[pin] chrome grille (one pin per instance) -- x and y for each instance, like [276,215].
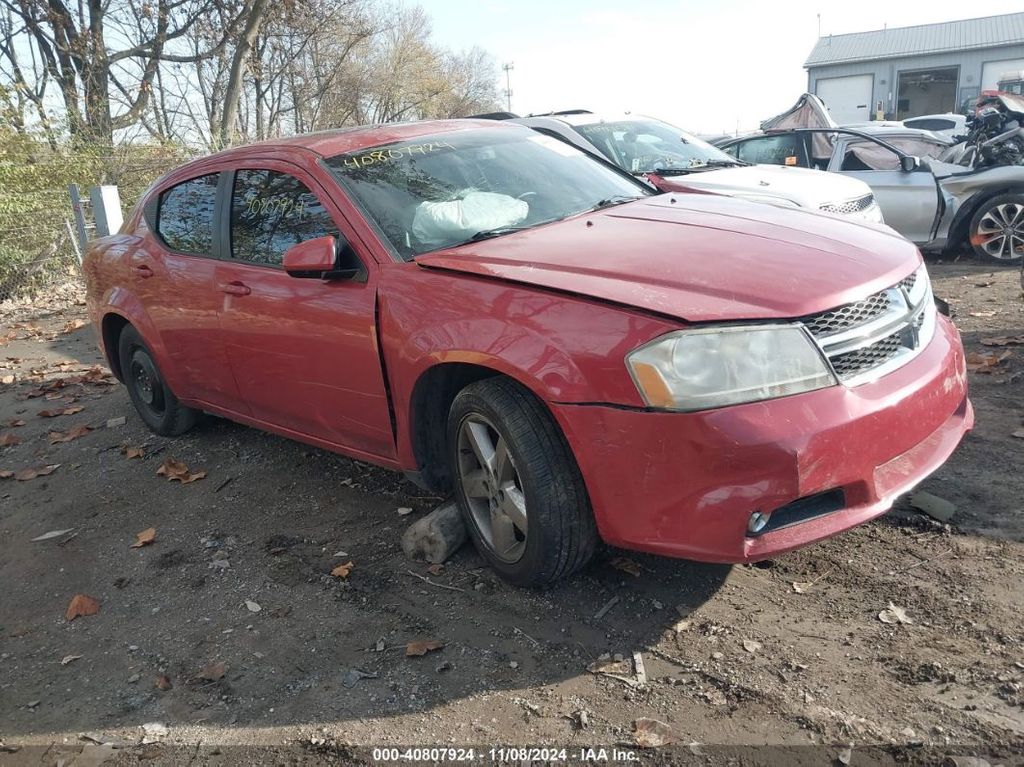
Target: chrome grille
[850,206]
[868,357]
[848,316]
[867,338]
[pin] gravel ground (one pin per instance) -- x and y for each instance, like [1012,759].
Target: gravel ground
[227,639]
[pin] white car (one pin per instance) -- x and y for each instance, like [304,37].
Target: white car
[675,161]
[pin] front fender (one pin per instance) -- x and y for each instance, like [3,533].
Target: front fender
[563,348]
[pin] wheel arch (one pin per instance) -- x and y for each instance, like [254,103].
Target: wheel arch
[110,331]
[959,228]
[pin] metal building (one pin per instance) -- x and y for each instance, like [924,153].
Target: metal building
[909,71]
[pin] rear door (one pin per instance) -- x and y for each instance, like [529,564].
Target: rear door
[909,200]
[173,277]
[303,351]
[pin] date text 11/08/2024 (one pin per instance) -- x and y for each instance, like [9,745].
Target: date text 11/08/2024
[503,754]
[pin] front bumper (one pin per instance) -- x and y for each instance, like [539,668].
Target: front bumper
[685,484]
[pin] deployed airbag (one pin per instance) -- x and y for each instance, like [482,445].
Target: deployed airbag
[441,223]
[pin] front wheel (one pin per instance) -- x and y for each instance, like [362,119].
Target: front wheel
[517,484]
[152,397]
[997,230]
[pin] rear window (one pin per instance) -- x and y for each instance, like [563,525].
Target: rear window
[185,215]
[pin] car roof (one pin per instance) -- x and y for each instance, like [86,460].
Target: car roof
[328,143]
[580,117]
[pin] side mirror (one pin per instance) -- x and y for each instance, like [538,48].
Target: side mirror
[909,164]
[318,259]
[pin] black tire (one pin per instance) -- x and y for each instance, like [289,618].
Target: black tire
[997,230]
[561,533]
[153,399]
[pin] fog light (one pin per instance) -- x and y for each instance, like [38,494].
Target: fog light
[758,522]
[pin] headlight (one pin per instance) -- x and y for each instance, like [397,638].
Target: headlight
[713,367]
[781,202]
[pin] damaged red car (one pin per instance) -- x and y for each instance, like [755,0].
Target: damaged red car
[501,316]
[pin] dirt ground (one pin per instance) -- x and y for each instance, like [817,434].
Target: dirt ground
[227,640]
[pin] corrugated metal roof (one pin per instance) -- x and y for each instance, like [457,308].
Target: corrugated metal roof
[966,34]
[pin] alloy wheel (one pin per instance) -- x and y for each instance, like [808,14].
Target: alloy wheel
[1001,231]
[493,488]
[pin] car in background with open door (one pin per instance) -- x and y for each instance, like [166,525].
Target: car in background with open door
[938,205]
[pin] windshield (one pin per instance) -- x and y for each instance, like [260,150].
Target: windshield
[448,189]
[648,146]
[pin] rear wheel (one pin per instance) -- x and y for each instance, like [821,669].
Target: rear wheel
[153,399]
[517,484]
[997,230]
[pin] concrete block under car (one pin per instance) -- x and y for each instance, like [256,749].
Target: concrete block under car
[436,536]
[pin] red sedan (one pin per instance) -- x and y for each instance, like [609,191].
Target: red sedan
[495,313]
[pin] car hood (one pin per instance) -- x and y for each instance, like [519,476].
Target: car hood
[807,188]
[696,257]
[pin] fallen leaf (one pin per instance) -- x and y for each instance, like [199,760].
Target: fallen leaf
[62,411]
[69,659]
[7,380]
[435,569]
[984,363]
[23,475]
[73,433]
[1019,434]
[752,646]
[73,325]
[144,538]
[163,682]
[404,511]
[1003,341]
[52,534]
[213,671]
[342,571]
[134,452]
[7,439]
[252,607]
[422,647]
[982,314]
[626,565]
[894,614]
[12,423]
[802,586]
[652,733]
[176,470]
[81,605]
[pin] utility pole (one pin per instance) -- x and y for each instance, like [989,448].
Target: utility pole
[508,84]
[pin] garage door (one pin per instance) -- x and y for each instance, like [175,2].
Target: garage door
[848,98]
[991,72]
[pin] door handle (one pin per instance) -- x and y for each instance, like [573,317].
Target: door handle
[235,289]
[143,271]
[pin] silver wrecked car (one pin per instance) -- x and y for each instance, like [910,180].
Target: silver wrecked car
[938,195]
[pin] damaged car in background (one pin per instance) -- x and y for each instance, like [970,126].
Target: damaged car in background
[673,160]
[942,196]
[505,318]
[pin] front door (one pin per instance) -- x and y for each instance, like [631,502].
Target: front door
[303,351]
[909,200]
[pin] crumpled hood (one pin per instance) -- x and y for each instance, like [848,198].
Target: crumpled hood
[807,188]
[696,257]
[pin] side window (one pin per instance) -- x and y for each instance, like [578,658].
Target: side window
[270,212]
[185,215]
[770,150]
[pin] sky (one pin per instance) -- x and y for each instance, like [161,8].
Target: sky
[673,60]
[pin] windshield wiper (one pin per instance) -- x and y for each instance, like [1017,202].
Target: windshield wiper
[681,170]
[498,231]
[616,200]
